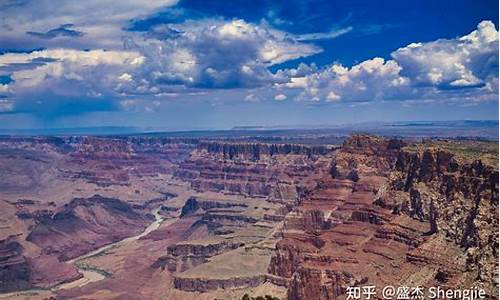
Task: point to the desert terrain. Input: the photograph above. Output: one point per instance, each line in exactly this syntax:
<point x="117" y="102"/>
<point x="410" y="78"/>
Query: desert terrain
<point x="211" y="217"/>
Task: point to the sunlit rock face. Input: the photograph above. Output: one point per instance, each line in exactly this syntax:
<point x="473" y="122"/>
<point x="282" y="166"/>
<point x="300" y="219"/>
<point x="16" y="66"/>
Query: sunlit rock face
<point x="408" y="213"/>
<point x="231" y="217"/>
<point x="277" y="171"/>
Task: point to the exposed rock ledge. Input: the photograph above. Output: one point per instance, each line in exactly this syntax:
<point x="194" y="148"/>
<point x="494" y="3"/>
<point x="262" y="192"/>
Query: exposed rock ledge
<point x="181" y="257"/>
<point x="203" y="285"/>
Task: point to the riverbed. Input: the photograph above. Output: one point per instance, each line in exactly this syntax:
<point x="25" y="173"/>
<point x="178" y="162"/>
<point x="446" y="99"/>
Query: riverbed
<point x="89" y="275"/>
<point x="93" y="276"/>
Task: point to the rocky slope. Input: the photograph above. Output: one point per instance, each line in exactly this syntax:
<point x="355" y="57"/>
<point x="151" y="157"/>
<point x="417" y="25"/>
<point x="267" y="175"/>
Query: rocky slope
<point x="51" y="206"/>
<point x="294" y="221"/>
<point x="82" y="225"/>
<point x="252" y="188"/>
<point x="14" y="267"/>
<point x="255" y="170"/>
<point x="85" y="224"/>
<point x="385" y="215"/>
<point x="106" y="161"/>
<point x="19" y="270"/>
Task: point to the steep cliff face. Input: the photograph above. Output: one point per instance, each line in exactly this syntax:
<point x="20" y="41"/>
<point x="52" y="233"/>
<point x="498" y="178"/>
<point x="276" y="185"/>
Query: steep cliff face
<point x="230" y="243"/>
<point x="206" y="285"/>
<point x="32" y="163"/>
<point x="183" y="256"/>
<point x="48" y="213"/>
<point x="19" y="271"/>
<point x="194" y="206"/>
<point x="254" y="151"/>
<point x="254" y="170"/>
<point x="15" y="271"/>
<point x="85" y="224"/>
<point x="107" y="161"/>
<point x="458" y="200"/>
<point x="322" y="284"/>
<point x="387" y="214"/>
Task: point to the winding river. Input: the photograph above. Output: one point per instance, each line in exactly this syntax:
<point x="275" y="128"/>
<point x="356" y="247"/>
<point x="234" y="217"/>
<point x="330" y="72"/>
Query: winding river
<point x="90" y="276"/>
<point x="93" y="276"/>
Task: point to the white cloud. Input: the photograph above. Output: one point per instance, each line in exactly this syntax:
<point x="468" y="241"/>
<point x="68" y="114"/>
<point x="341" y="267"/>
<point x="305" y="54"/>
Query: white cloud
<point x="251" y="98"/>
<point x="215" y="54"/>
<point x="195" y="56"/>
<point x="464" y="62"/>
<point x="125" y="77"/>
<point x="88" y="58"/>
<point x="323" y="35"/>
<point x="280" y="97"/>
<point x="94" y="67"/>
<point x="100" y="21"/>
<point x="441" y="69"/>
<point x="4" y="88"/>
<point x="235" y="29"/>
<point x="48" y="75"/>
<point x="369" y="80"/>
<point x="333" y="97"/>
<point x="128" y="105"/>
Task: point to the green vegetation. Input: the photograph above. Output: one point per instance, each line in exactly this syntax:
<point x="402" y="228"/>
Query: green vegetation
<point x="103" y="252"/>
<point x="87" y="267"/>
<point x="465" y="151"/>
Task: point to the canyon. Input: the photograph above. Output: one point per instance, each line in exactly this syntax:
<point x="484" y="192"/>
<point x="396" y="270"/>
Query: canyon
<point x="163" y="217"/>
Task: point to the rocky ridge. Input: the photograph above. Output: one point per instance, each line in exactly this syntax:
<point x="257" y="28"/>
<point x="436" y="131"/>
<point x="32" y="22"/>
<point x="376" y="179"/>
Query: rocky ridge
<point x="384" y="215"/>
<point x="85" y="224"/>
<point x="255" y="170"/>
<point x="310" y="220"/>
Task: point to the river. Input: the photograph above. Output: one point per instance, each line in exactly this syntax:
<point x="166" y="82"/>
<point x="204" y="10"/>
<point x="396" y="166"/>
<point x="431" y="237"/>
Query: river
<point x="91" y="275"/>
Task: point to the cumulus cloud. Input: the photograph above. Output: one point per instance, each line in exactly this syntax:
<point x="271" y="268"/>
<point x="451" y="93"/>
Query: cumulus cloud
<point x="196" y="56"/>
<point x="64" y="73"/>
<point x="463" y="68"/>
<point x="369" y="80"/>
<point x="170" y="59"/>
<point x="216" y="54"/>
<point x="464" y="62"/>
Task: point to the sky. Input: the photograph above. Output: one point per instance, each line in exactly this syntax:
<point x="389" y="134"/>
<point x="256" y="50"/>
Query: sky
<point x="209" y="64"/>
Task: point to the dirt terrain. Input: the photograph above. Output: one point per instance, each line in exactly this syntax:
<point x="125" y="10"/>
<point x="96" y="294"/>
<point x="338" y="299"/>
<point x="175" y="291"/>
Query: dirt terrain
<point x="143" y="217"/>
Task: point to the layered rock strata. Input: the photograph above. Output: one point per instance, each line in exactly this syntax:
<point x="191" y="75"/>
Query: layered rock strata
<point x="385" y="215"/>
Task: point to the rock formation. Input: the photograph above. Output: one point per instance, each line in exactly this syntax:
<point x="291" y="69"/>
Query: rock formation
<point x="254" y="170"/>
<point x="84" y="225"/>
<point x="302" y="221"/>
<point x="407" y="218"/>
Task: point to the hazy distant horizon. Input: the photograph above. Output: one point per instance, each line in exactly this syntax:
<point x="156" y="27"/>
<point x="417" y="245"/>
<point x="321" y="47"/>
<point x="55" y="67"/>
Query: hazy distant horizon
<point x="487" y="129"/>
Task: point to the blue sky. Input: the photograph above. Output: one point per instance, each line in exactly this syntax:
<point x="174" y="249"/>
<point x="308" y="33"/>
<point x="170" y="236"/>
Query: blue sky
<point x="213" y="64"/>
